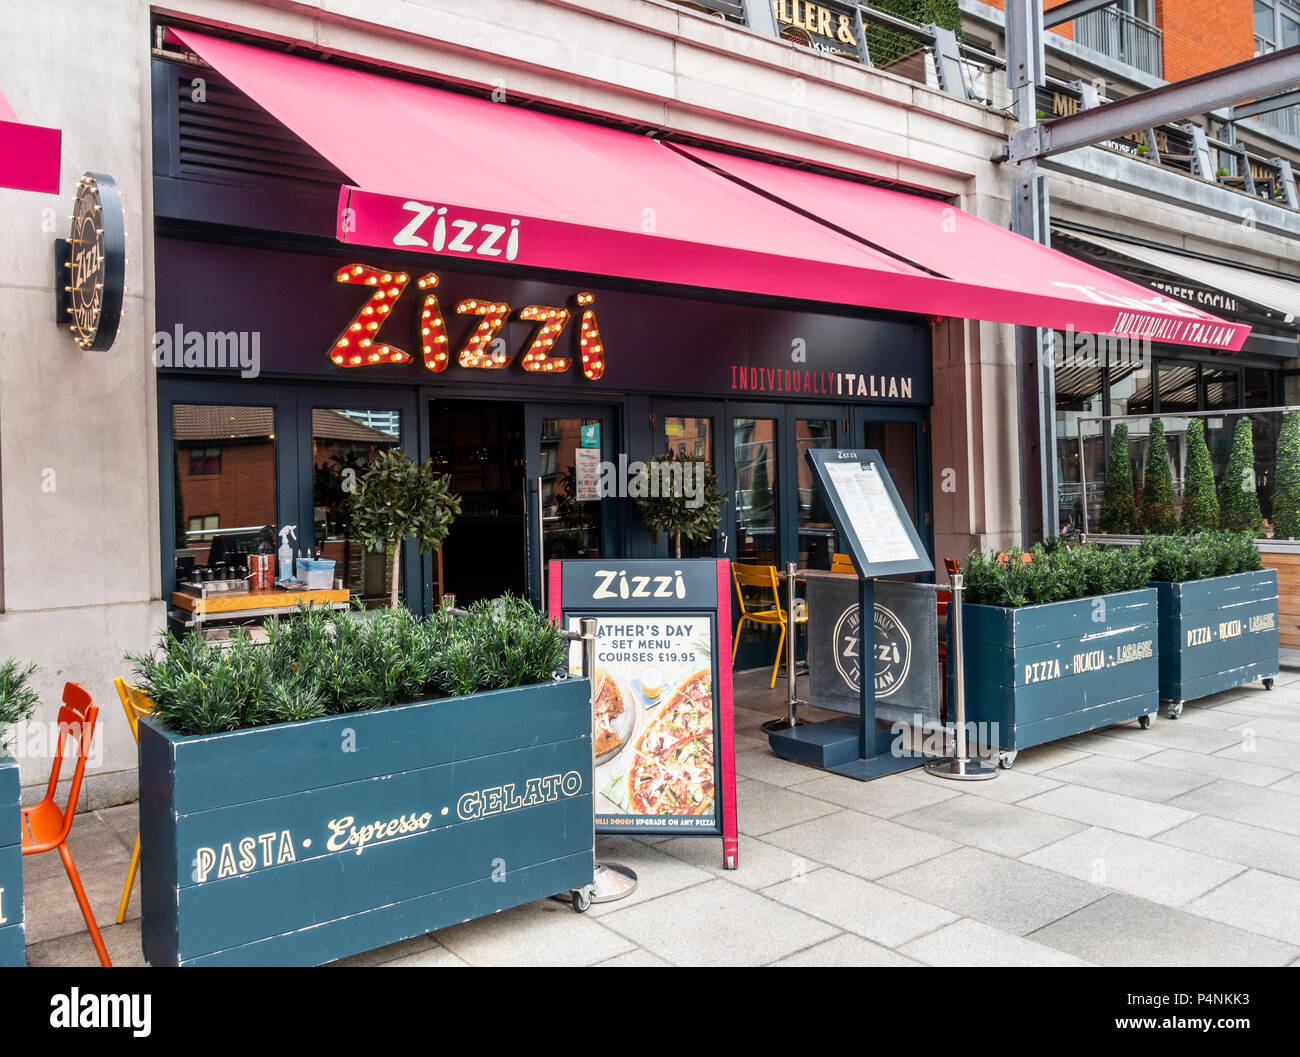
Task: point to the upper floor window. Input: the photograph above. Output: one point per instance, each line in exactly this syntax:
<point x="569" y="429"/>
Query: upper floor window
<point x="1277" y="25"/>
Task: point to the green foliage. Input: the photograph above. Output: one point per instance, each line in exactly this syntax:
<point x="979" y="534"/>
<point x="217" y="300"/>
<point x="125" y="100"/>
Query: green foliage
<point x="398" y="497"/>
<point x="1055" y="575"/>
<point x="1180" y="558"/>
<point x="1200" y="504"/>
<point x="889" y="45"/>
<point x="696" y="517"/>
<point x="1157" y="486"/>
<point x="320" y="662"/>
<point x="1286" y="477"/>
<point x="17" y="698"/>
<point x="1238" y="501"/>
<point x="1118" y="509"/>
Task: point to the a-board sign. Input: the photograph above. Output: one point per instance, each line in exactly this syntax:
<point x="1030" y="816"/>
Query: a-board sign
<point x="868" y="512"/>
<point x="662" y="724"/>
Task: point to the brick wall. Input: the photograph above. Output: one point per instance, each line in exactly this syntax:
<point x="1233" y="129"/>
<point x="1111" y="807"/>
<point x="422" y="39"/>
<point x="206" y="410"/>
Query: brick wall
<point x="1202" y="35"/>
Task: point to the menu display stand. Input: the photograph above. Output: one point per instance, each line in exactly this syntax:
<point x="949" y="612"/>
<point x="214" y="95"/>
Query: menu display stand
<point x="882" y="541"/>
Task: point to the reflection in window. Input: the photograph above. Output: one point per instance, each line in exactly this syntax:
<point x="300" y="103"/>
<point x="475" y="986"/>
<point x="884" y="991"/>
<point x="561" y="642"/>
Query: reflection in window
<point x="817" y="537"/>
<point x="343" y="444"/>
<point x="1078" y="397"/>
<point x="225" y="483"/>
<point x="754" y="445"/>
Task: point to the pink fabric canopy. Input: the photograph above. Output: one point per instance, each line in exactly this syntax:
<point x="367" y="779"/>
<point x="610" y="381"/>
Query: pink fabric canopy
<point x="29" y="154"/>
<point x="443" y="173"/>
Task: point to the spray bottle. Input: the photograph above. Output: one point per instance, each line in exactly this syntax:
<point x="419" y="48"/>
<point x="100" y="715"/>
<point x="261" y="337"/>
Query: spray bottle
<point x="285" y="553"/>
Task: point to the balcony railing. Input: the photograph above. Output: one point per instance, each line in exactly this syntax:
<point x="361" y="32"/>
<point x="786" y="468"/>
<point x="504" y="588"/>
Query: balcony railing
<point x="1122" y="36"/>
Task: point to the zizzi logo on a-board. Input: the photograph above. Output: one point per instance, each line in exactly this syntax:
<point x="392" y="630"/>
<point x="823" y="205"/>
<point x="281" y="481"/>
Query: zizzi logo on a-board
<point x="432" y="227"/>
<point x="892" y="649"/>
<point x="616" y="583"/>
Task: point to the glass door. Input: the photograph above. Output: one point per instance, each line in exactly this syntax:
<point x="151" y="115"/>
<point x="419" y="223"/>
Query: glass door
<point x="901" y="435"/>
<point x="692" y="428"/>
<point x="569" y="517"/>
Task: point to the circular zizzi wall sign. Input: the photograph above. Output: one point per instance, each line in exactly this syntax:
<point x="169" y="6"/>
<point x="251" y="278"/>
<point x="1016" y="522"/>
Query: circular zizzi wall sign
<point x="96" y="262"/>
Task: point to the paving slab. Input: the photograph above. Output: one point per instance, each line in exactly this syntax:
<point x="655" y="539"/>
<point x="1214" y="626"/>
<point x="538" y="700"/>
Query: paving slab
<point x="1108" y="744"/>
<point x="1098" y="807"/>
<point x="1126" y="930"/>
<point x="389" y="953"/>
<point x="882" y="915"/>
<point x="886" y="797"/>
<point x="75" y="949"/>
<point x="1173" y="734"/>
<point x="1040" y="758"/>
<point x="546" y="932"/>
<point x="1004" y="829"/>
<point x="51" y="908"/>
<point x="1238" y="842"/>
<point x="1128" y="778"/>
<point x="1218" y="718"/>
<point x="1268" y="808"/>
<point x="973" y="943"/>
<point x="860" y="844"/>
<point x="1216" y="767"/>
<point x="1160" y="873"/>
<point x="1272" y="727"/>
<point x="762" y="807"/>
<point x="637" y="959"/>
<point x="700" y="926"/>
<point x="1274" y="752"/>
<point x="1009" y="894"/>
<point x="766" y="766"/>
<point x="1256" y="901"/>
<point x="846" y="950"/>
<point x="658" y="873"/>
<point x="1010" y="786"/>
<point x="435" y="957"/>
<point x="760" y="863"/>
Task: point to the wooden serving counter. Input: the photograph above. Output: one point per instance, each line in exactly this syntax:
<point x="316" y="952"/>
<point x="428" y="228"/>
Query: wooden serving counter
<point x="248" y="602"/>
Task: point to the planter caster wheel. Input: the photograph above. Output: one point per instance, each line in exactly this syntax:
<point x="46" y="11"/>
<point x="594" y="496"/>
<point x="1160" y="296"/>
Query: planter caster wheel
<point x="1007" y="759"/>
<point x="1175" y="709"/>
<point x="1268" y="682"/>
<point x="1144" y="722"/>
<point x="581" y="900"/>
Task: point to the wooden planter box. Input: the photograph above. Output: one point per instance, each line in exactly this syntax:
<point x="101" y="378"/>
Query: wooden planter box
<point x="1038" y="673"/>
<point x="13" y="945"/>
<point x="301" y="843"/>
<point x="1284" y="558"/>
<point x="1216" y="634"/>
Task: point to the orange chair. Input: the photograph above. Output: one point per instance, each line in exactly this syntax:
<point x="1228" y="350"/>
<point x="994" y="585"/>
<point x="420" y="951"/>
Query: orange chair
<point x="765" y="578"/>
<point x="46" y="826"/>
<point x="1026" y="558"/>
<point x="843" y="563"/>
<point x="952" y="566"/>
<point x="135" y="704"/>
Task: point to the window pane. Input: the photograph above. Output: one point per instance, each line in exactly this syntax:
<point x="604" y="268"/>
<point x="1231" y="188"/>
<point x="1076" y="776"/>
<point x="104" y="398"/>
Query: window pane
<point x="1290" y="32"/>
<point x="343" y="443"/>
<point x="754" y="443"/>
<point x="817" y="538"/>
<point x="225" y="483"/>
<point x="1263" y="20"/>
<point x="572" y="526"/>
<point x="1078" y="397"/>
<point x="694" y="436"/>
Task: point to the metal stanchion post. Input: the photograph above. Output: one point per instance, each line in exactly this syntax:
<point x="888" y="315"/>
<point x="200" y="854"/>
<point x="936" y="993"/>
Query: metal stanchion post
<point x="610" y="881"/>
<point x="791" y="627"/>
<point x="959" y="766"/>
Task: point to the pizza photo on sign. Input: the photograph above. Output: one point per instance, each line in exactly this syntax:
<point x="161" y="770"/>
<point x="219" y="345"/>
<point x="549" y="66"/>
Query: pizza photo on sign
<point x="671" y="771"/>
<point x="607" y="706"/>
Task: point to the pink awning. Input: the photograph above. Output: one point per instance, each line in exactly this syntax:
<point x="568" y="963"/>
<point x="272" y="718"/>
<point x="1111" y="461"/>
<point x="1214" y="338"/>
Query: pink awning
<point x="29" y="154"/>
<point x="448" y="174"/>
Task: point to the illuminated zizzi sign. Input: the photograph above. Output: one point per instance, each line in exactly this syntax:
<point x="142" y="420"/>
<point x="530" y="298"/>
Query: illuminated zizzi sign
<point x="359" y="345"/>
<point x="91" y="264"/>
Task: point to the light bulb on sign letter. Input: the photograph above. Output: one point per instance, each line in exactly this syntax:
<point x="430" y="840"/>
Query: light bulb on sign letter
<point x="553" y="320"/>
<point x="360" y="274"/>
<point x="433" y="330"/>
<point x="589" y="343"/>
<point x="474" y="354"/>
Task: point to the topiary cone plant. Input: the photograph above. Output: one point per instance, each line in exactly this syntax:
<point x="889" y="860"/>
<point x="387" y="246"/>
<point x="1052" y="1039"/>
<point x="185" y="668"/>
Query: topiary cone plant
<point x="1158" y="517"/>
<point x="1286" y="493"/>
<point x="398" y="497"/>
<point x="1238" y="500"/>
<point x="1118" y="509"/>
<point x="679" y="495"/>
<point x="1200" y="504"/>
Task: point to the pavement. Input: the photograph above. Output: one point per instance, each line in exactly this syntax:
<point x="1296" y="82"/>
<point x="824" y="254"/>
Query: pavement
<point x="1178" y="845"/>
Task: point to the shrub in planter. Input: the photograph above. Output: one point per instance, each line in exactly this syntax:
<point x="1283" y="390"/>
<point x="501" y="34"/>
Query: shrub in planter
<point x="1157" y="485"/>
<point x="355" y="782"/>
<point x="1218" y="612"/>
<point x="1059" y="645"/>
<point x="1200" y="504"/>
<point x="1238" y="501"/>
<point x="1286" y="493"/>
<point x="17" y="703"/>
<point x="1118" y="509"/>
<point x="673" y="511"/>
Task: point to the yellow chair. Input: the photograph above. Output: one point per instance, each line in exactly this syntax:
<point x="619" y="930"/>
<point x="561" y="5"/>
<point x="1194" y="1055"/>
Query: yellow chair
<point x="764" y="578"/>
<point x="135" y="704"/>
<point x="842" y="563"/>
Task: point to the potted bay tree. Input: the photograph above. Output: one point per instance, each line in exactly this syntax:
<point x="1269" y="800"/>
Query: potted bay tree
<point x="669" y="504"/>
